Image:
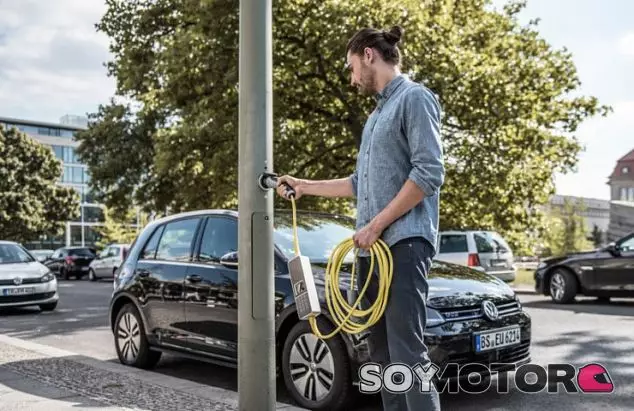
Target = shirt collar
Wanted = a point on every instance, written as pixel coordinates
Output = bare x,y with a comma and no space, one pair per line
389,88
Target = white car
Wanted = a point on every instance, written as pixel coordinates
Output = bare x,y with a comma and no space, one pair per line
482,250
24,281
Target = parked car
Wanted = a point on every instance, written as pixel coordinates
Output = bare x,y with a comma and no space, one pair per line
42,255
486,251
605,272
107,262
24,281
177,292
69,262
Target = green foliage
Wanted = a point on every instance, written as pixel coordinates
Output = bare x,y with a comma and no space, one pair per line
509,103
597,236
565,231
117,227
31,203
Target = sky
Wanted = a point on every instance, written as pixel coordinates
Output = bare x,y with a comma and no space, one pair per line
52,64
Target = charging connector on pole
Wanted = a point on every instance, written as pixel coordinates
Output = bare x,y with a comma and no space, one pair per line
302,280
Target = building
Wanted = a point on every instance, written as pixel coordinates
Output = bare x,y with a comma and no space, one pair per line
596,211
621,183
60,137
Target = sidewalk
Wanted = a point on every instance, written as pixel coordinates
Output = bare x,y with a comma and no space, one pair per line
37,377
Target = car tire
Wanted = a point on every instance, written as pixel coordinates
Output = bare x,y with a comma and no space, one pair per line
130,340
316,372
92,276
49,306
563,286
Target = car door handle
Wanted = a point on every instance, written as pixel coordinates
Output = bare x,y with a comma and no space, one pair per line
142,273
194,278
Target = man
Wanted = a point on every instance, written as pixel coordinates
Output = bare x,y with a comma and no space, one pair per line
396,183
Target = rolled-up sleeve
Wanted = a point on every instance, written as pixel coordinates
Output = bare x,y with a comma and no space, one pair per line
354,179
422,121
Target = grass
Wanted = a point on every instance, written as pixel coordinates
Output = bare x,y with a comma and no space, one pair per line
524,277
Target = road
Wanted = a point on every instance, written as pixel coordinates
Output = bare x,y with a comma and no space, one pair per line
585,332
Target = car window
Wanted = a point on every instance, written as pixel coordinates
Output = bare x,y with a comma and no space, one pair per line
219,238
81,252
453,243
104,253
149,251
484,243
627,245
13,254
176,241
114,251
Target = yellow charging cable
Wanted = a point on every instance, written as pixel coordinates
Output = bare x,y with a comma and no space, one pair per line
340,311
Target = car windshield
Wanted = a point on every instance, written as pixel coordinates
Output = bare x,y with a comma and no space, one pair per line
13,254
81,252
318,235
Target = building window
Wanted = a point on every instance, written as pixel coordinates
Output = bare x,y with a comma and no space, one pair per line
623,194
626,170
631,194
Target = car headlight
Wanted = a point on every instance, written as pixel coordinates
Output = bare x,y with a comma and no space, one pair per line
519,303
434,318
48,277
541,265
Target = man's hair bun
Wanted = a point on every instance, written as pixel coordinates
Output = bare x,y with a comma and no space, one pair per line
394,35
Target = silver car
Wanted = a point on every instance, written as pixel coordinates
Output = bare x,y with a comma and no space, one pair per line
482,250
108,261
24,281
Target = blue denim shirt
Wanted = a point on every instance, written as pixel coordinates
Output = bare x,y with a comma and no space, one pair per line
400,141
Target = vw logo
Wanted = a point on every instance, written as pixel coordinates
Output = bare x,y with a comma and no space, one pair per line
17,280
490,310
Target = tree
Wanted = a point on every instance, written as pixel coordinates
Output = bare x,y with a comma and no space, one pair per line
510,112
565,231
596,236
118,227
31,203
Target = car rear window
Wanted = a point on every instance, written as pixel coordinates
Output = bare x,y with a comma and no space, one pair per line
490,242
81,252
453,243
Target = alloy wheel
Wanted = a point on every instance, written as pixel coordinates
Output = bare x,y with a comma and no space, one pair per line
129,337
557,286
311,367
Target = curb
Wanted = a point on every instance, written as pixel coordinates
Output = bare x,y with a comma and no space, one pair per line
524,290
208,392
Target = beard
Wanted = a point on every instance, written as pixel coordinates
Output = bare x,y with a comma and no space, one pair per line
367,81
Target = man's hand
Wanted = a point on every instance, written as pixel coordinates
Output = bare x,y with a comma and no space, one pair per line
367,236
295,183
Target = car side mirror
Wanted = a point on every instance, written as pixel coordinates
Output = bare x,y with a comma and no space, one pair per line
613,249
230,260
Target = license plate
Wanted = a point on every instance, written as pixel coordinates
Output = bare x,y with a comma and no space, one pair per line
498,263
85,268
497,339
18,291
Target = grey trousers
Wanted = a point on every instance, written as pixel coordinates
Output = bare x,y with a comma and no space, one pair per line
398,337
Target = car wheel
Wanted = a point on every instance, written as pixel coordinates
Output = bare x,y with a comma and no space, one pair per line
130,340
563,286
91,275
316,372
49,306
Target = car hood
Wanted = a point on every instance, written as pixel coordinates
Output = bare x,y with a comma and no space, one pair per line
450,285
572,256
23,270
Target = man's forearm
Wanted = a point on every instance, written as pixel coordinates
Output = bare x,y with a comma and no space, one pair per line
341,187
406,199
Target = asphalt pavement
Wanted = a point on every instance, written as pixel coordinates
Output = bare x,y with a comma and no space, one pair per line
585,332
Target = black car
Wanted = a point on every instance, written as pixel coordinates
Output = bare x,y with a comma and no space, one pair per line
177,292
604,273
67,262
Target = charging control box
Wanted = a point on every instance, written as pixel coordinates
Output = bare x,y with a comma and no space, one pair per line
304,290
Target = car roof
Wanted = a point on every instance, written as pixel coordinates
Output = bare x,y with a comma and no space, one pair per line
234,213
8,242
